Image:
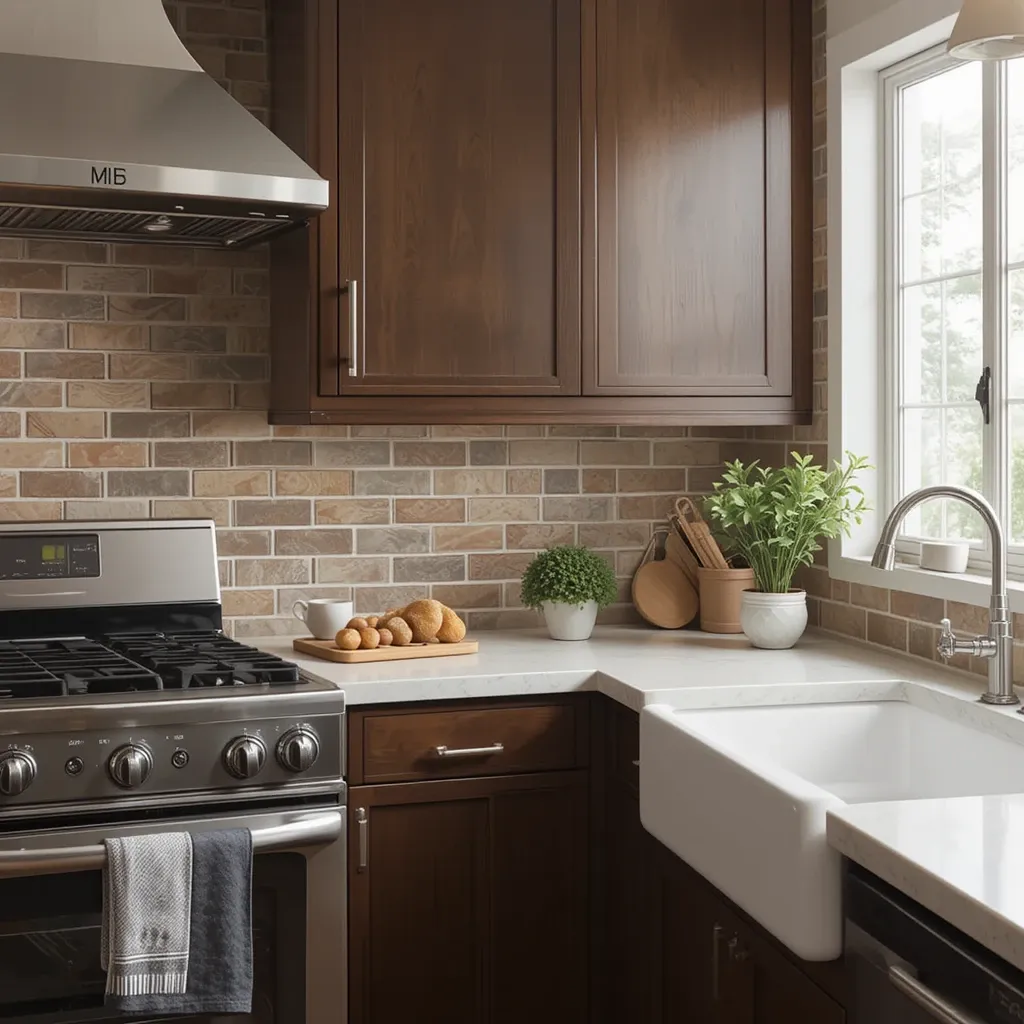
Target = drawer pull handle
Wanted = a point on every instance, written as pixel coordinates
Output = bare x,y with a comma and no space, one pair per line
363,823
636,763
494,748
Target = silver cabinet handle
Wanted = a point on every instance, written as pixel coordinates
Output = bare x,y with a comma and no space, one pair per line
494,748
363,825
352,287
324,828
716,940
929,1001
636,763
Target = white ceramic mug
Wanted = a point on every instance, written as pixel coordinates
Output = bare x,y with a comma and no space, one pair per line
323,616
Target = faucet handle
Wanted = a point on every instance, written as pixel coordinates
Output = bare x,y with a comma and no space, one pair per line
947,640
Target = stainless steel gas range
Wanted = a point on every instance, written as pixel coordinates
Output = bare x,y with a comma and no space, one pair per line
125,709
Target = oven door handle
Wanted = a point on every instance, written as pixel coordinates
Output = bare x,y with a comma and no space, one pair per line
324,828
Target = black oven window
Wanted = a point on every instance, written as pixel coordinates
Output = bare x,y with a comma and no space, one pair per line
50,947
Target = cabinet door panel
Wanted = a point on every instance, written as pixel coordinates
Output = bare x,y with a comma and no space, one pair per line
468,901
783,994
632,913
423,938
539,956
701,980
694,184
459,198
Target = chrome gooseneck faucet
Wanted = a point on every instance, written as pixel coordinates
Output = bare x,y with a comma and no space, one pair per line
997,647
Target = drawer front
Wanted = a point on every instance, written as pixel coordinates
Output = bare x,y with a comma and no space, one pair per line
470,742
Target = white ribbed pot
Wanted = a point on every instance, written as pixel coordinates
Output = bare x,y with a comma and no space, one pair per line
773,622
570,621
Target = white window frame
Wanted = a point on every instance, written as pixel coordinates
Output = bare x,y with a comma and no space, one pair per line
918,68
857,357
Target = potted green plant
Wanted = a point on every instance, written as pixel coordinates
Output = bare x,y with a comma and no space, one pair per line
569,585
774,519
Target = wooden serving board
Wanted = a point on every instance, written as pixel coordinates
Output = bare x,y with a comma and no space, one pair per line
330,651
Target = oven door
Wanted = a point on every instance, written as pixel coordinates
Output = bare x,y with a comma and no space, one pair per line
50,908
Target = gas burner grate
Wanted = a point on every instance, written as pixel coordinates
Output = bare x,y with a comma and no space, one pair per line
58,668
203,659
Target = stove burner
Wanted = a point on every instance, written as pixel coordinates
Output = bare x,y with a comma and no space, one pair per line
126,662
58,668
200,659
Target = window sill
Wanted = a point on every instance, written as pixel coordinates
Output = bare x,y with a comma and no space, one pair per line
967,588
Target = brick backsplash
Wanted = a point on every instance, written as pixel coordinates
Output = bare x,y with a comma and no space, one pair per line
134,384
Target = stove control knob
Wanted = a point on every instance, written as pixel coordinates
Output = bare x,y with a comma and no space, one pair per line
130,765
298,749
245,756
17,770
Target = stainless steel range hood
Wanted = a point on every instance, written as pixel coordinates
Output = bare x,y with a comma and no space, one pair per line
109,130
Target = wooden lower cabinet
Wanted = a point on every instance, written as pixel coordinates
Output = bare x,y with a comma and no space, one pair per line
469,901
537,897
675,950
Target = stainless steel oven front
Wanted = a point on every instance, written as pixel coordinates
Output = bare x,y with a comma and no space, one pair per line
50,910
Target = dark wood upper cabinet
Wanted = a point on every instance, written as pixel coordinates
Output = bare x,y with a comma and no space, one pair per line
695,215
459,199
546,210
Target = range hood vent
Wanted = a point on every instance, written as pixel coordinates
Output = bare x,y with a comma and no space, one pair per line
110,131
124,226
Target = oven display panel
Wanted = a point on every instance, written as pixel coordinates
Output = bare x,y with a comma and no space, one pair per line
55,557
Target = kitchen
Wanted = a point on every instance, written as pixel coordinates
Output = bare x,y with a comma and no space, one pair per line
284,392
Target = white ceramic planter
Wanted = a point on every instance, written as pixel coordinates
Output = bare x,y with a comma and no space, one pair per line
570,621
773,622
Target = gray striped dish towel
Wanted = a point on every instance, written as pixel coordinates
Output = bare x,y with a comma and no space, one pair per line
147,910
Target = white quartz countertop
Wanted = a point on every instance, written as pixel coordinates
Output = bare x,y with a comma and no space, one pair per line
633,665
961,858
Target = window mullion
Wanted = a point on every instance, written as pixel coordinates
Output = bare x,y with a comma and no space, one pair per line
994,199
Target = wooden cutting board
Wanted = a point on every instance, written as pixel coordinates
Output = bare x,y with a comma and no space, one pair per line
662,594
330,651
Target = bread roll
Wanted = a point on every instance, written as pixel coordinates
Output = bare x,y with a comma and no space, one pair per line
424,618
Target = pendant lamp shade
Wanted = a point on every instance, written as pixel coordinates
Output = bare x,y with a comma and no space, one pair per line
989,30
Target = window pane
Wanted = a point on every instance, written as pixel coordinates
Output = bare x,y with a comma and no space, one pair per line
942,230
922,343
963,465
1015,355
942,446
1015,155
962,320
941,128
942,340
1017,474
939,286
922,464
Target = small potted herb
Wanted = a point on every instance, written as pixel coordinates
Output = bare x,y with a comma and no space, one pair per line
774,519
569,584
